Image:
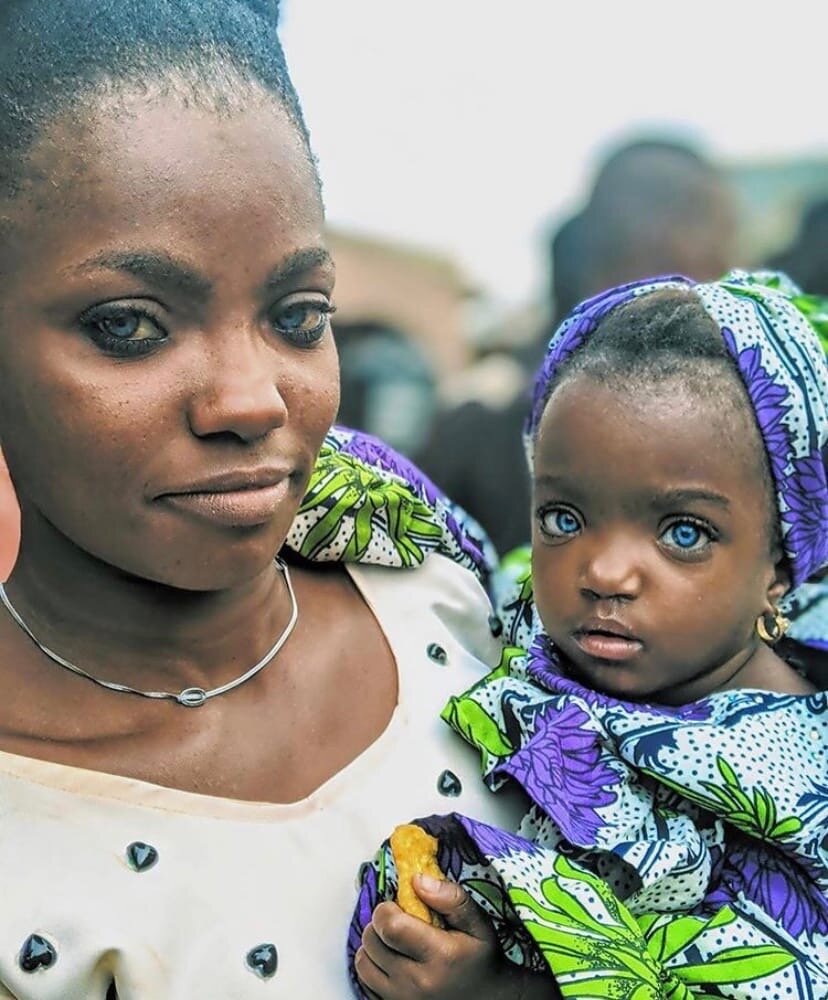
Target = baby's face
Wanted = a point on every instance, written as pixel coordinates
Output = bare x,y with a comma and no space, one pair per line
651,553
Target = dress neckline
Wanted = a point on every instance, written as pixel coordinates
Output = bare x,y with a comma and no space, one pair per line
147,794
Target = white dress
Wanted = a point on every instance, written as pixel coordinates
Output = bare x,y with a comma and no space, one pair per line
229,876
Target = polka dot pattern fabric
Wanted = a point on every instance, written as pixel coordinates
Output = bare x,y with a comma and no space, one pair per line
668,852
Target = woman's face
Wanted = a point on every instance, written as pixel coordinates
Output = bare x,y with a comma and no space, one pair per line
651,550
168,371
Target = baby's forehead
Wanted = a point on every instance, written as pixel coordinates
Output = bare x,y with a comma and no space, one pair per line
703,391
671,422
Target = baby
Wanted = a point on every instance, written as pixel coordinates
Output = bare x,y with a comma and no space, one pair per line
675,756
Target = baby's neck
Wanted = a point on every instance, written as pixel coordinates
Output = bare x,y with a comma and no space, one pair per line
765,671
758,668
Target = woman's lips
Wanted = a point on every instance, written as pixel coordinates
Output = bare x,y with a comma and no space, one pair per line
605,646
242,508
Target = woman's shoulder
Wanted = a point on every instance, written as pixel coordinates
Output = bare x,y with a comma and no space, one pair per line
438,592
438,580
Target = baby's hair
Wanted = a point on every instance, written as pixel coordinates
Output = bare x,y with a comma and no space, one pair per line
667,337
54,54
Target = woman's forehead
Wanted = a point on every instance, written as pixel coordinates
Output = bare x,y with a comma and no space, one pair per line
126,136
160,170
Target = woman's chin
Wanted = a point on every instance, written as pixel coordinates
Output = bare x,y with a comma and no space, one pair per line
212,565
225,570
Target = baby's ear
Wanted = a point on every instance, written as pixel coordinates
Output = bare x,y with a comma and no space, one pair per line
780,583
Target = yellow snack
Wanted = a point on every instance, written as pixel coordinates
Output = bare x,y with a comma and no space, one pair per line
415,853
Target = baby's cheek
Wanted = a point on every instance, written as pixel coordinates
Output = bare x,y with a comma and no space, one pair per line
554,585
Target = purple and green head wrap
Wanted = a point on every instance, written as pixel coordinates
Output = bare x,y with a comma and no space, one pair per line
765,327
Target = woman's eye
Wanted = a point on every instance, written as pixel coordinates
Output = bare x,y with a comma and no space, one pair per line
686,536
303,323
123,330
130,326
559,522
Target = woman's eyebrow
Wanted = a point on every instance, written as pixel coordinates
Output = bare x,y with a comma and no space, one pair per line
165,271
155,268
298,262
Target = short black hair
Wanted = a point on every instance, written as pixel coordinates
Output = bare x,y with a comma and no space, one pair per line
667,337
56,53
657,336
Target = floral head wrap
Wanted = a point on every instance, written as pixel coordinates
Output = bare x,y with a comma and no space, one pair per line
766,324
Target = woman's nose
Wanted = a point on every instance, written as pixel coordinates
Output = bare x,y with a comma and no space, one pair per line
239,393
613,570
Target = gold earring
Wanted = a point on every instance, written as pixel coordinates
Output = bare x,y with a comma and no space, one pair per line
780,627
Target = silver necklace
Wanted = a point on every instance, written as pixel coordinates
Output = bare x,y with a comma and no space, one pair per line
190,697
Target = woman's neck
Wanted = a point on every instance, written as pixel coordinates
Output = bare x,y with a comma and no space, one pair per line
138,632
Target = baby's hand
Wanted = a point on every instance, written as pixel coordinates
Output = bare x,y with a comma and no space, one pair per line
403,958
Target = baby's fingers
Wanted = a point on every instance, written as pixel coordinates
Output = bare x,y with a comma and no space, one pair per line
382,969
382,955
373,979
404,935
457,908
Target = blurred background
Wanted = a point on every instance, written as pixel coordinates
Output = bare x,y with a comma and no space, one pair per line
487,165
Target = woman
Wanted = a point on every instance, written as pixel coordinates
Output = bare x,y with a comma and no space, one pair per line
191,766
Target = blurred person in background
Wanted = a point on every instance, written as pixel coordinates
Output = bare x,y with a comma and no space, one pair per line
388,385
657,206
805,260
467,438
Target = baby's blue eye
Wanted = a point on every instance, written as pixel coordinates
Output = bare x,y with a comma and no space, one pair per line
566,523
687,536
557,522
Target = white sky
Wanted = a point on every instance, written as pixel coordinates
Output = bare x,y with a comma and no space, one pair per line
465,125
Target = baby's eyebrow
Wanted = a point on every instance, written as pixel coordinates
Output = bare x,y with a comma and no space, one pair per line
550,482
672,498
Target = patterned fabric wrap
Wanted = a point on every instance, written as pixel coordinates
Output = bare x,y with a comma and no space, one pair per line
366,503
668,852
767,327
808,609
